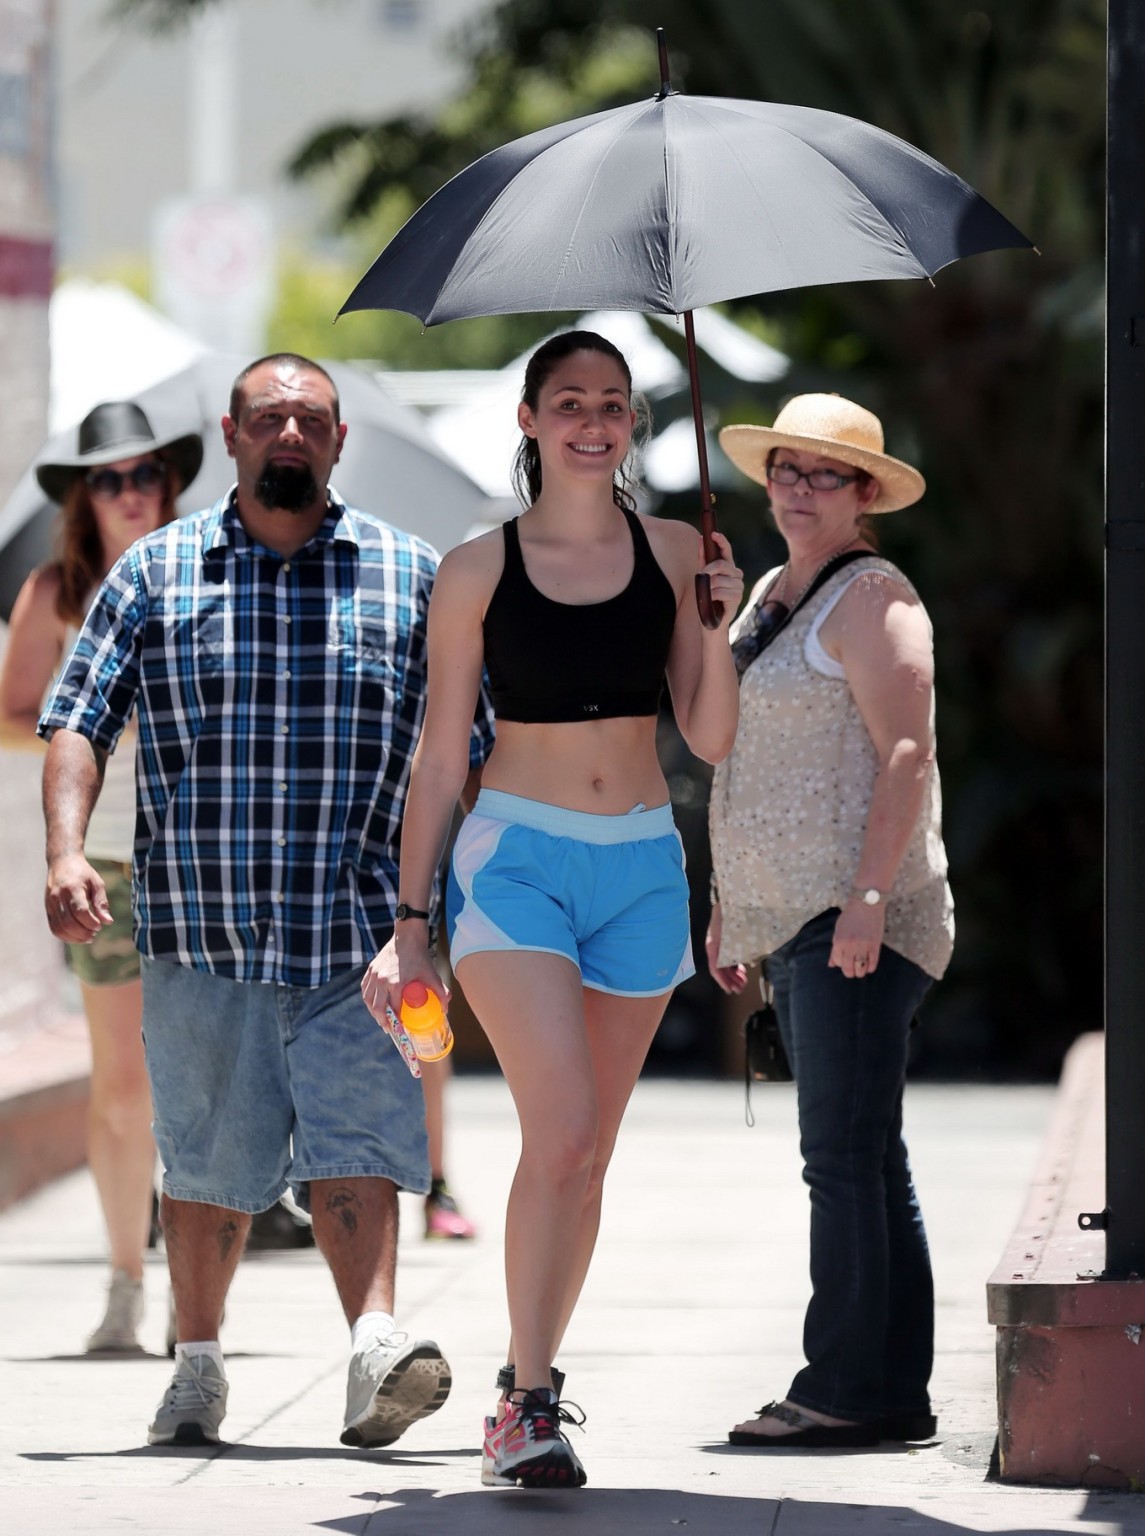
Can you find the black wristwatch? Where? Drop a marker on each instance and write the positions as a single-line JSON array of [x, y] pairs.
[[404, 910]]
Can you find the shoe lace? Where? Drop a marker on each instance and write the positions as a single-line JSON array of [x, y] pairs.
[[386, 1346], [190, 1389], [536, 1408]]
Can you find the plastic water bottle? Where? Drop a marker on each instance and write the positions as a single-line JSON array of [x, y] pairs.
[[424, 1021]]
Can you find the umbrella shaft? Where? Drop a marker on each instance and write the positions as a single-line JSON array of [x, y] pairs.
[[710, 612], [707, 516]]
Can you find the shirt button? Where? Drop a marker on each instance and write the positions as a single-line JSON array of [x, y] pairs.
[[286, 565], [286, 676], [282, 786], [270, 938], [285, 729], [282, 842], [278, 895], [286, 618]]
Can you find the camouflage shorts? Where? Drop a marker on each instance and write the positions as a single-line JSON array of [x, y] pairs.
[[111, 958]]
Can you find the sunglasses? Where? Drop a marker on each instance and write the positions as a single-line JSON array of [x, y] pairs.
[[107, 484], [770, 617]]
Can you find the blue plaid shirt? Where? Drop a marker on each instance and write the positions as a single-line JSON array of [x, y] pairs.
[[279, 702]]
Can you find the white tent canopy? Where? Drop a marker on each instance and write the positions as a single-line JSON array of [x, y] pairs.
[[107, 344]]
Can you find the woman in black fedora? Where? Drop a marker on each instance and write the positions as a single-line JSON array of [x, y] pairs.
[[120, 483]]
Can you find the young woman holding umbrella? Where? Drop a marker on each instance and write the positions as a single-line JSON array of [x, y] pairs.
[[119, 483], [567, 905]]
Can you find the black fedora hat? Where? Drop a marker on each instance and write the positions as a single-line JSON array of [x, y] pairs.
[[117, 430]]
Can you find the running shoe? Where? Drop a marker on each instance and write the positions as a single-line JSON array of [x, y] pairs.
[[392, 1383], [529, 1448], [118, 1332], [492, 1446], [443, 1218], [193, 1405]]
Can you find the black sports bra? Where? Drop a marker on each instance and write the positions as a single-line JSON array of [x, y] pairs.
[[549, 661]]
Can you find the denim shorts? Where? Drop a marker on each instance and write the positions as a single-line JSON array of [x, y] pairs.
[[111, 959], [607, 892], [257, 1085]]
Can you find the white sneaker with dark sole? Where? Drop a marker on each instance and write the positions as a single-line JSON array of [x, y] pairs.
[[193, 1405], [392, 1383], [119, 1330]]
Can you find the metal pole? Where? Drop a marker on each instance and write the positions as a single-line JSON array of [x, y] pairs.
[[1124, 1215]]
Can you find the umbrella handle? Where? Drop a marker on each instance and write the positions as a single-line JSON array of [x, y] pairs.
[[710, 612]]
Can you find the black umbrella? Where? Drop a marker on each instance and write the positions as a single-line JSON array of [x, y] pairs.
[[673, 203]]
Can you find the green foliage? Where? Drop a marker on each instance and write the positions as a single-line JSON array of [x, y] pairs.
[[310, 292]]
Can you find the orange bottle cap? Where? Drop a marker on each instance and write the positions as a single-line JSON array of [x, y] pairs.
[[416, 994]]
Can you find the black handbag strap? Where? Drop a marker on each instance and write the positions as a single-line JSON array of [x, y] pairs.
[[846, 558]]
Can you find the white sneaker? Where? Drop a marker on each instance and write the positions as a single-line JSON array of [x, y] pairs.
[[193, 1405], [121, 1319], [393, 1382]]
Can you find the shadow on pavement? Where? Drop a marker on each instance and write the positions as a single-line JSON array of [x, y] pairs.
[[583, 1512], [128, 1357], [380, 1457], [648, 1512]]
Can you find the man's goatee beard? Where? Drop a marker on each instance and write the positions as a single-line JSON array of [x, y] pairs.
[[287, 487]]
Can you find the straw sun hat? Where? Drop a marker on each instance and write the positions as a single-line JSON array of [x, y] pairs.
[[836, 428]]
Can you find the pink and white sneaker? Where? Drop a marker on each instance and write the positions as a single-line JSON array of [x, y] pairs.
[[528, 1447], [495, 1432], [443, 1217]]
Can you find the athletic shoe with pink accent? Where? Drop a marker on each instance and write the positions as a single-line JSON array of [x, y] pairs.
[[495, 1432], [443, 1219], [529, 1448]]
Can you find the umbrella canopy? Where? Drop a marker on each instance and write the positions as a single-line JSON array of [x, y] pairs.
[[390, 466], [674, 203]]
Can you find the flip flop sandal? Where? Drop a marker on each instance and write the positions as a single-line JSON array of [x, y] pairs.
[[807, 1433]]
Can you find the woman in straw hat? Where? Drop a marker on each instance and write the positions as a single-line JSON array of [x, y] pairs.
[[829, 867], [119, 483]]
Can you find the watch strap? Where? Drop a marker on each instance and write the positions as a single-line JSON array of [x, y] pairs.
[[404, 910]]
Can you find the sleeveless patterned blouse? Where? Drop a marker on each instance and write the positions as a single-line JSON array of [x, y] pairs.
[[789, 804]]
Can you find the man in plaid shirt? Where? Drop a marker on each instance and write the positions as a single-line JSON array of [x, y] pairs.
[[273, 649]]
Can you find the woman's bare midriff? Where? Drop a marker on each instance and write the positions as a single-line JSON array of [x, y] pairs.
[[604, 767]]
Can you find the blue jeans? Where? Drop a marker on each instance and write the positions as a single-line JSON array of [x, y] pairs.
[[869, 1331]]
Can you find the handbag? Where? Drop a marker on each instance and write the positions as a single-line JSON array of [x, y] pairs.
[[764, 1058]]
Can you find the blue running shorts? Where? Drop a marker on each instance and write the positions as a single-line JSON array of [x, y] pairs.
[[607, 892]]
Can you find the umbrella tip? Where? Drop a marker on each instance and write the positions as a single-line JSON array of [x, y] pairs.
[[662, 50]]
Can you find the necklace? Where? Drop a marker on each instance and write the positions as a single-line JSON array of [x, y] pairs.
[[781, 595]]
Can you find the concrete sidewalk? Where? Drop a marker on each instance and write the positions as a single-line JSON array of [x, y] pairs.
[[690, 1320]]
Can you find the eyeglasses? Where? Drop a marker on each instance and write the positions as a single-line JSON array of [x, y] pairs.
[[106, 484], [748, 647], [817, 479]]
